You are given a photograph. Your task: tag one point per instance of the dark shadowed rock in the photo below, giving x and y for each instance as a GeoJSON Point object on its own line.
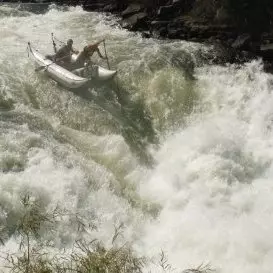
{"type": "Point", "coordinates": [166, 12]}
{"type": "Point", "coordinates": [266, 51]}
{"type": "Point", "coordinates": [146, 34]}
{"type": "Point", "coordinates": [131, 10]}
{"type": "Point", "coordinates": [239, 26]}
{"type": "Point", "coordinates": [137, 21]}
{"type": "Point", "coordinates": [94, 6]}
{"type": "Point", "coordinates": [110, 8]}
{"type": "Point", "coordinates": [241, 42]}
{"type": "Point", "coordinates": [158, 24]}
{"type": "Point", "coordinates": [173, 33]}
{"type": "Point", "coordinates": [159, 28]}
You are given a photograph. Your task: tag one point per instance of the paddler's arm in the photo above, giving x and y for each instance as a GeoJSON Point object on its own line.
{"type": "Point", "coordinates": [96, 44]}
{"type": "Point", "coordinates": [73, 50]}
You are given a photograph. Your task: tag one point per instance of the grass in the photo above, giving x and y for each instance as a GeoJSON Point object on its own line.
{"type": "Point", "coordinates": [36, 256]}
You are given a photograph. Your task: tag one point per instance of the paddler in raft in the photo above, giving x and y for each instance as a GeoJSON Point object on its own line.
{"type": "Point", "coordinates": [85, 55]}
{"type": "Point", "coordinates": [62, 56]}
{"type": "Point", "coordinates": [83, 66]}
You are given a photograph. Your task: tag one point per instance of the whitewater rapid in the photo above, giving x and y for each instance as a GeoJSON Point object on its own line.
{"type": "Point", "coordinates": [206, 197]}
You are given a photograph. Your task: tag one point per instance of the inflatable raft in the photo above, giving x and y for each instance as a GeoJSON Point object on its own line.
{"type": "Point", "coordinates": [68, 78]}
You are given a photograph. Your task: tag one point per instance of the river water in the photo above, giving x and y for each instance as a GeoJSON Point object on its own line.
{"type": "Point", "coordinates": [181, 158]}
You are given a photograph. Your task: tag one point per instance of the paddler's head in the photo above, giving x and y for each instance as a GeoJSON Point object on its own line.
{"type": "Point", "coordinates": [70, 43]}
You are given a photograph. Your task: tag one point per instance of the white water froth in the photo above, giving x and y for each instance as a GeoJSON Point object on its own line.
{"type": "Point", "coordinates": [212, 178]}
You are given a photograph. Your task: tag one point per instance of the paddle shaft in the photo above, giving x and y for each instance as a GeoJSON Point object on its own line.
{"type": "Point", "coordinates": [54, 44]}
{"type": "Point", "coordinates": [117, 91]}
{"type": "Point", "coordinates": [106, 54]}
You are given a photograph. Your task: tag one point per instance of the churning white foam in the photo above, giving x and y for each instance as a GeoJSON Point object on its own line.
{"type": "Point", "coordinates": [214, 177]}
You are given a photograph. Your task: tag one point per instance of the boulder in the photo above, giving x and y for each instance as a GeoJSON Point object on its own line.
{"type": "Point", "coordinates": [137, 21]}
{"type": "Point", "coordinates": [174, 30]}
{"type": "Point", "coordinates": [266, 51]}
{"type": "Point", "coordinates": [93, 7]}
{"type": "Point", "coordinates": [146, 34]}
{"type": "Point", "coordinates": [241, 42]}
{"type": "Point", "coordinates": [174, 33]}
{"type": "Point", "coordinates": [166, 12]}
{"type": "Point", "coordinates": [159, 28]}
{"type": "Point", "coordinates": [160, 32]}
{"type": "Point", "coordinates": [159, 23]}
{"type": "Point", "coordinates": [222, 15]}
{"type": "Point", "coordinates": [110, 8]}
{"type": "Point", "coordinates": [131, 10]}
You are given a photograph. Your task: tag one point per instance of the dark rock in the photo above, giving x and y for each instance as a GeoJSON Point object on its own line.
{"type": "Point", "coordinates": [136, 22]}
{"type": "Point", "coordinates": [159, 32]}
{"type": "Point", "coordinates": [103, 5]}
{"type": "Point", "coordinates": [267, 38]}
{"type": "Point", "coordinates": [222, 15]}
{"type": "Point", "coordinates": [146, 34]}
{"type": "Point", "coordinates": [239, 26]}
{"type": "Point", "coordinates": [254, 46]}
{"type": "Point", "coordinates": [163, 32]}
{"type": "Point", "coordinates": [131, 10]}
{"type": "Point", "coordinates": [267, 47]}
{"type": "Point", "coordinates": [266, 51]}
{"type": "Point", "coordinates": [174, 33]}
{"type": "Point", "coordinates": [166, 12]}
{"type": "Point", "coordinates": [268, 67]}
{"type": "Point", "coordinates": [159, 28]}
{"type": "Point", "coordinates": [158, 24]}
{"type": "Point", "coordinates": [110, 8]}
{"type": "Point", "coordinates": [182, 36]}
{"type": "Point", "coordinates": [229, 42]}
{"type": "Point", "coordinates": [94, 7]}
{"type": "Point", "coordinates": [241, 42]}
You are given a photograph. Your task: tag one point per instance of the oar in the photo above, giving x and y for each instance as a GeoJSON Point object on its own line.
{"type": "Point", "coordinates": [106, 54]}
{"type": "Point", "coordinates": [54, 44]}
{"type": "Point", "coordinates": [118, 92]}
{"type": "Point", "coordinates": [54, 37]}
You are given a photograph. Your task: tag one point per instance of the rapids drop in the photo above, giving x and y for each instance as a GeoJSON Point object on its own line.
{"type": "Point", "coordinates": [181, 156]}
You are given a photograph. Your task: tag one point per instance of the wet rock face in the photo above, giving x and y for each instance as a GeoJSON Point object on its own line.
{"type": "Point", "coordinates": [132, 9]}
{"type": "Point", "coordinates": [136, 21]}
{"type": "Point", "coordinates": [242, 26]}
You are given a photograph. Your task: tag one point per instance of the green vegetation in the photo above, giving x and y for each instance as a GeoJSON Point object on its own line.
{"type": "Point", "coordinates": [35, 256]}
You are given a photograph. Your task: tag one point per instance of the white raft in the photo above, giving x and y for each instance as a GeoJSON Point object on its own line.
{"type": "Point", "coordinates": [66, 77]}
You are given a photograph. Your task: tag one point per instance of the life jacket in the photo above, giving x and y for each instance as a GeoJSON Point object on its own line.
{"type": "Point", "coordinates": [91, 48]}
{"type": "Point", "coordinates": [63, 51]}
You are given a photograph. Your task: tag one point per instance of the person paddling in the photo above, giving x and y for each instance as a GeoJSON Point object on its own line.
{"type": "Point", "coordinates": [63, 55]}
{"type": "Point", "coordinates": [92, 48]}
{"type": "Point", "coordinates": [87, 53]}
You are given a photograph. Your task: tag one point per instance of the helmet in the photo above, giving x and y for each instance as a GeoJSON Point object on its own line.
{"type": "Point", "coordinates": [69, 41]}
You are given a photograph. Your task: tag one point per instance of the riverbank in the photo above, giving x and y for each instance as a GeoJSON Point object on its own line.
{"type": "Point", "coordinates": [241, 29]}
